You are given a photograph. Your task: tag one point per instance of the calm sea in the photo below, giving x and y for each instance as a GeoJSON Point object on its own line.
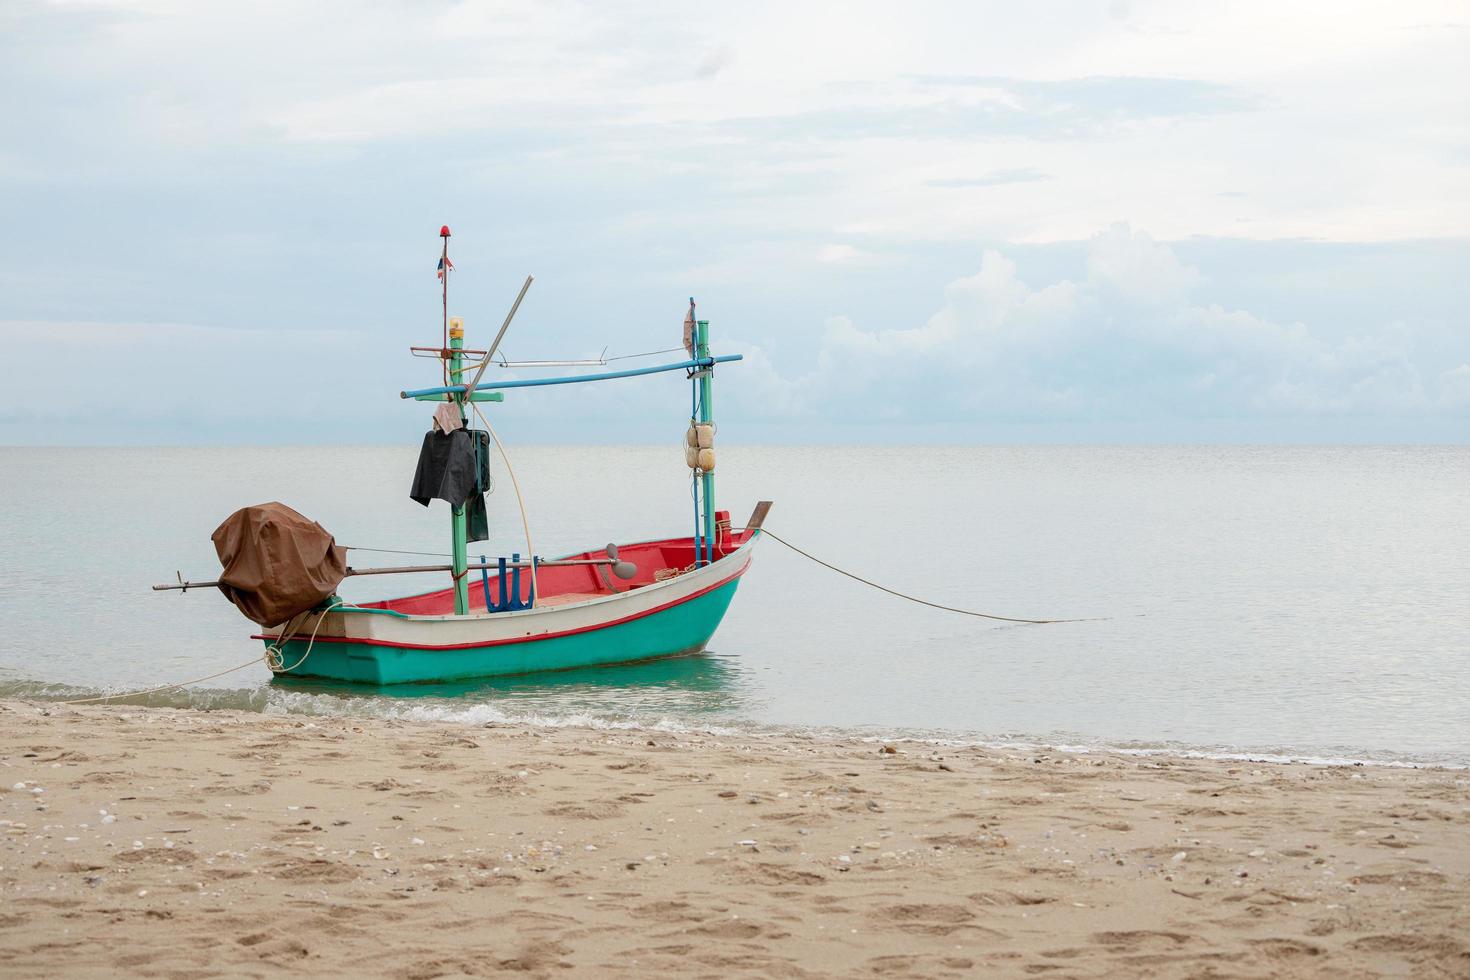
{"type": "Point", "coordinates": [1308, 602]}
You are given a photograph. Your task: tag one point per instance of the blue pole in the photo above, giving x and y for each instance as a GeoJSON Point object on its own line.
{"type": "Point", "coordinates": [703, 362]}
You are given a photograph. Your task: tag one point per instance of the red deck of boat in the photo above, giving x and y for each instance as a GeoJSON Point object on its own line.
{"type": "Point", "coordinates": [562, 585]}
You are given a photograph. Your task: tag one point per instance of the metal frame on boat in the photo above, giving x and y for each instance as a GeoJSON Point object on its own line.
{"type": "Point", "coordinates": [665, 597]}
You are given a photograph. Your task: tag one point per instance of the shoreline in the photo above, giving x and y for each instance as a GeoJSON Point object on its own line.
{"type": "Point", "coordinates": [414, 713]}
{"type": "Point", "coordinates": [254, 843]}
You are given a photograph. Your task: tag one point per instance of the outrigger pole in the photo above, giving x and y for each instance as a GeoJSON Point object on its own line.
{"type": "Point", "coordinates": [703, 362]}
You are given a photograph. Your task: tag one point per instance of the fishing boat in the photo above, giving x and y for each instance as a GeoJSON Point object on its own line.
{"type": "Point", "coordinates": [578, 619]}
{"type": "Point", "coordinates": [500, 615]}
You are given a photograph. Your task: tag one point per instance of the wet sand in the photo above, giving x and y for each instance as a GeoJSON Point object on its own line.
{"type": "Point", "coordinates": [155, 842]}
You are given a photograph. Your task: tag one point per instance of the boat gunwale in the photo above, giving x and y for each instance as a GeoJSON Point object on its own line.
{"type": "Point", "coordinates": [642, 589]}
{"type": "Point", "coordinates": [525, 638]}
{"type": "Point", "coordinates": [499, 617]}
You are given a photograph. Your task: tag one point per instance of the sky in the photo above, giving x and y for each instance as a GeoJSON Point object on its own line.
{"type": "Point", "coordinates": [919, 223]}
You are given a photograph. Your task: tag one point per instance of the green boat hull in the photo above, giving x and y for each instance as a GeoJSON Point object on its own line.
{"type": "Point", "coordinates": [681, 629]}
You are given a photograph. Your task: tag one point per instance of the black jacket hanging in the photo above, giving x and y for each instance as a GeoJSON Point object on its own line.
{"type": "Point", "coordinates": [455, 467]}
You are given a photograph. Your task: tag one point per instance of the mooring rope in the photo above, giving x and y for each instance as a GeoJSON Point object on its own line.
{"type": "Point", "coordinates": [275, 652]}
{"type": "Point", "coordinates": [904, 595]}
{"type": "Point", "coordinates": [272, 659]}
{"type": "Point", "coordinates": [167, 687]}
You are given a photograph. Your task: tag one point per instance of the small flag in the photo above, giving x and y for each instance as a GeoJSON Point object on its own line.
{"type": "Point", "coordinates": [444, 263]}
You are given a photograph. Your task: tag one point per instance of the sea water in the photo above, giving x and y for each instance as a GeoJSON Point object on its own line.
{"type": "Point", "coordinates": [1283, 601]}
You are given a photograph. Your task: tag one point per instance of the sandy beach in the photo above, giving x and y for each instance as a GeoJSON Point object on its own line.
{"type": "Point", "coordinates": [155, 842]}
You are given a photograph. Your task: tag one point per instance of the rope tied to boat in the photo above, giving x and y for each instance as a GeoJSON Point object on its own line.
{"type": "Point", "coordinates": [272, 657]}
{"type": "Point", "coordinates": [167, 687]}
{"type": "Point", "coordinates": [275, 652]}
{"type": "Point", "coordinates": [923, 602]}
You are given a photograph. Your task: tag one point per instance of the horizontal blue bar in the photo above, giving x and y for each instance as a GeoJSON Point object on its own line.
{"type": "Point", "coordinates": [575, 378]}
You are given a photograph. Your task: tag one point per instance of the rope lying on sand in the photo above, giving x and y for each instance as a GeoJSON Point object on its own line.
{"type": "Point", "coordinates": [904, 595]}
{"type": "Point", "coordinates": [166, 687]}
{"type": "Point", "coordinates": [272, 659]}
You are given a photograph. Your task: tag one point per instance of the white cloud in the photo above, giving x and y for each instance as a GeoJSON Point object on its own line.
{"type": "Point", "coordinates": [809, 169]}
{"type": "Point", "coordinates": [160, 381]}
{"type": "Point", "coordinates": [1344, 125]}
{"type": "Point", "coordinates": [1124, 342]}
{"type": "Point", "coordinates": [1138, 267]}
{"type": "Point", "coordinates": [835, 252]}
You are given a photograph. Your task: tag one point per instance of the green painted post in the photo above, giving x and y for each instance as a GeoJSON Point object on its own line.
{"type": "Point", "coordinates": [706, 414]}
{"type": "Point", "coordinates": [458, 531]}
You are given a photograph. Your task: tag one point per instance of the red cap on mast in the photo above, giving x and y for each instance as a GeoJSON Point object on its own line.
{"type": "Point", "coordinates": [444, 232]}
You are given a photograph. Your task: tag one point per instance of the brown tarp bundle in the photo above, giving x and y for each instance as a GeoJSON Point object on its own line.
{"type": "Point", "coordinates": [276, 562]}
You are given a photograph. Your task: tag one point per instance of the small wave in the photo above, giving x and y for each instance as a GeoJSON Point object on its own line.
{"type": "Point", "coordinates": [213, 699]}
{"type": "Point", "coordinates": [478, 713]}
{"type": "Point", "coordinates": [1279, 756]}
{"type": "Point", "coordinates": [44, 690]}
{"type": "Point", "coordinates": [275, 700]}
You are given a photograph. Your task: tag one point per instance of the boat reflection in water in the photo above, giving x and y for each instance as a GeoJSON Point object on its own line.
{"type": "Point", "coordinates": [690, 689]}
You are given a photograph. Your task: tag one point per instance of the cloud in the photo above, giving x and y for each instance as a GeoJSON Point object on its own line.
{"type": "Point", "coordinates": [1138, 268]}
{"type": "Point", "coordinates": [836, 252]}
{"type": "Point", "coordinates": [714, 61]}
{"type": "Point", "coordinates": [1014, 175]}
{"type": "Point", "coordinates": [1334, 127]}
{"type": "Point", "coordinates": [171, 382]}
{"type": "Point", "coordinates": [1121, 332]}
{"type": "Point", "coordinates": [784, 163]}
{"type": "Point", "coordinates": [951, 107]}
{"type": "Point", "coordinates": [1104, 96]}
{"type": "Point", "coordinates": [1125, 341]}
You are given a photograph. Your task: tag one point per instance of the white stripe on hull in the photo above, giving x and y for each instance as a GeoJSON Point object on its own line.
{"type": "Point", "coordinates": [486, 628]}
